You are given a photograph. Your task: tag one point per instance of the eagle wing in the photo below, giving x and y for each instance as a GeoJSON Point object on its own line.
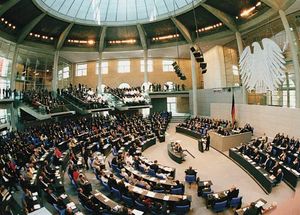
{"type": "Point", "coordinates": [246, 68]}
{"type": "Point", "coordinates": [275, 63]}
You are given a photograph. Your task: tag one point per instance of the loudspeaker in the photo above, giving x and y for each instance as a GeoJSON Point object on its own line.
{"type": "Point", "coordinates": [193, 49]}
{"type": "Point", "coordinates": [204, 71]}
{"type": "Point", "coordinates": [203, 65]}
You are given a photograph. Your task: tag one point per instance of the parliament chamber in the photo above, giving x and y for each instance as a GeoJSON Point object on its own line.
{"type": "Point", "coordinates": [149, 107]}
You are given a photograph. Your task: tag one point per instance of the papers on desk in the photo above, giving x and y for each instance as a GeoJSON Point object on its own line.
{"type": "Point", "coordinates": [37, 206]}
{"type": "Point", "coordinates": [166, 198]}
{"type": "Point", "coordinates": [71, 205]}
{"type": "Point", "coordinates": [280, 162]}
{"type": "Point", "coordinates": [259, 204]}
{"type": "Point", "coordinates": [265, 174]}
{"type": "Point", "coordinates": [35, 194]}
{"type": "Point", "coordinates": [205, 183]}
{"type": "Point", "coordinates": [34, 198]}
{"type": "Point", "coordinates": [137, 212]}
{"type": "Point", "coordinates": [294, 171]}
{"type": "Point", "coordinates": [106, 200]}
{"type": "Point", "coordinates": [272, 177]}
{"type": "Point", "coordinates": [215, 195]}
{"type": "Point", "coordinates": [63, 196]}
{"type": "Point", "coordinates": [151, 194]}
{"type": "Point", "coordinates": [137, 190]}
{"type": "Point", "coordinates": [258, 167]}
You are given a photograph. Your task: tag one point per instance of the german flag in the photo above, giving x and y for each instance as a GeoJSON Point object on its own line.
{"type": "Point", "coordinates": [233, 109]}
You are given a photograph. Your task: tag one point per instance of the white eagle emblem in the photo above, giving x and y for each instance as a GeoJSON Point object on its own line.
{"type": "Point", "coordinates": [262, 70]}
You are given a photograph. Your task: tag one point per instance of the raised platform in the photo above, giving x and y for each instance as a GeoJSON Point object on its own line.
{"type": "Point", "coordinates": [6, 100]}
{"type": "Point", "coordinates": [175, 156]}
{"type": "Point", "coordinates": [133, 107]}
{"type": "Point", "coordinates": [30, 111]}
{"type": "Point", "coordinates": [165, 94]}
{"type": "Point", "coordinates": [224, 143]}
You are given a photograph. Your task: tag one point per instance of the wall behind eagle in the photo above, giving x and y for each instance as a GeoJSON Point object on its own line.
{"type": "Point", "coordinates": [135, 77]}
{"type": "Point", "coordinates": [264, 119]}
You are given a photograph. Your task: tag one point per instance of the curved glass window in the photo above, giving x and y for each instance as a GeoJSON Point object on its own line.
{"type": "Point", "coordinates": [114, 12]}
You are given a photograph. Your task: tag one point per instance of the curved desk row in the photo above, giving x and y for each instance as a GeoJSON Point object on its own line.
{"type": "Point", "coordinates": [257, 172]}
{"type": "Point", "coordinates": [165, 169]}
{"type": "Point", "coordinates": [175, 156]}
{"type": "Point", "coordinates": [188, 132]}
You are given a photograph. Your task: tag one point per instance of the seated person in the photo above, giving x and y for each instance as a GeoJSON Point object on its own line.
{"type": "Point", "coordinates": [85, 200]}
{"type": "Point", "coordinates": [295, 164]}
{"type": "Point", "coordinates": [190, 171]}
{"type": "Point", "coordinates": [154, 166]}
{"type": "Point", "coordinates": [278, 176]}
{"type": "Point", "coordinates": [84, 184]}
{"type": "Point", "coordinates": [253, 210]}
{"type": "Point", "coordinates": [233, 193]}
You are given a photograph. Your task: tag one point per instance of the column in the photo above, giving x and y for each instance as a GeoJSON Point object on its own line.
{"type": "Point", "coordinates": [240, 50]}
{"type": "Point", "coordinates": [194, 85]}
{"type": "Point", "coordinates": [293, 46]}
{"type": "Point", "coordinates": [99, 73]}
{"type": "Point", "coordinates": [14, 68]}
{"type": "Point", "coordinates": [146, 69]}
{"type": "Point", "coordinates": [55, 72]}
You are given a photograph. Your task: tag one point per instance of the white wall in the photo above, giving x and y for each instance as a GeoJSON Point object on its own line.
{"type": "Point", "coordinates": [207, 96]}
{"type": "Point", "coordinates": [215, 75]}
{"type": "Point", "coordinates": [264, 119]}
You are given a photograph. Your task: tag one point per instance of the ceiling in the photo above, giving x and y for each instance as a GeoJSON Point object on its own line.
{"type": "Point", "coordinates": [101, 25]}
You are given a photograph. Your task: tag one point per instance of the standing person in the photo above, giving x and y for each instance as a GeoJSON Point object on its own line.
{"type": "Point", "coordinates": [207, 142]}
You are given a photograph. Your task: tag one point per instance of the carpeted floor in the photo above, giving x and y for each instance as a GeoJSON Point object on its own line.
{"type": "Point", "coordinates": [211, 165]}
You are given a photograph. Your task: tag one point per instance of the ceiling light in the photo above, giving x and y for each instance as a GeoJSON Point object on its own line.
{"type": "Point", "coordinates": [91, 42]}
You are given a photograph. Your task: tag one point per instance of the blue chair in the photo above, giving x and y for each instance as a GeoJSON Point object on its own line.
{"type": "Point", "coordinates": [177, 191]}
{"type": "Point", "coordinates": [116, 193]}
{"type": "Point", "coordinates": [236, 202]}
{"type": "Point", "coordinates": [114, 167]}
{"type": "Point", "coordinates": [158, 191]}
{"type": "Point", "coordinates": [288, 160]}
{"type": "Point", "coordinates": [87, 208]}
{"type": "Point", "coordinates": [106, 187]}
{"type": "Point", "coordinates": [205, 193]}
{"type": "Point", "coordinates": [274, 152]}
{"type": "Point", "coordinates": [151, 172]}
{"type": "Point", "coordinates": [219, 206]}
{"type": "Point", "coordinates": [184, 209]}
{"type": "Point", "coordinates": [141, 169]}
{"type": "Point", "coordinates": [140, 206]}
{"type": "Point", "coordinates": [190, 179]}
{"type": "Point", "coordinates": [128, 201]}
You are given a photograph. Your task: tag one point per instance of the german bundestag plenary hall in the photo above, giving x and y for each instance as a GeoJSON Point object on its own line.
{"type": "Point", "coordinates": [154, 107]}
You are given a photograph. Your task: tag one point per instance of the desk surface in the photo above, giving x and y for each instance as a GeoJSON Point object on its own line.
{"type": "Point", "coordinates": [258, 203]}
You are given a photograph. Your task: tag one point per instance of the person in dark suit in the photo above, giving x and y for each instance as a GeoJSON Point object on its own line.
{"type": "Point", "coordinates": [268, 163]}
{"type": "Point", "coordinates": [233, 193]}
{"type": "Point", "coordinates": [154, 166]}
{"type": "Point", "coordinates": [85, 200]}
{"type": "Point", "coordinates": [278, 176]}
{"type": "Point", "coordinates": [190, 171]}
{"type": "Point", "coordinates": [207, 142]}
{"type": "Point", "coordinates": [252, 210]}
{"type": "Point", "coordinates": [112, 182]}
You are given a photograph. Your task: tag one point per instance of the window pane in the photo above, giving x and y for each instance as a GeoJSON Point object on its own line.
{"type": "Point", "coordinates": [104, 67]}
{"type": "Point", "coordinates": [124, 66]}
{"type": "Point", "coordinates": [167, 65]}
{"type": "Point", "coordinates": [81, 70]}
{"type": "Point", "coordinates": [149, 64]}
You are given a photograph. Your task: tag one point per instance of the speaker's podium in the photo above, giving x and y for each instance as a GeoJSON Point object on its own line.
{"type": "Point", "coordinates": [224, 143]}
{"type": "Point", "coordinates": [201, 143]}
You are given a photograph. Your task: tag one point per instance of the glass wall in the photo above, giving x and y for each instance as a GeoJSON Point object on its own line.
{"type": "Point", "coordinates": [7, 50]}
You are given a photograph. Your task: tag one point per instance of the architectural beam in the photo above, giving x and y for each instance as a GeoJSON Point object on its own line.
{"type": "Point", "coordinates": [102, 38]}
{"type": "Point", "coordinates": [183, 30]}
{"type": "Point", "coordinates": [7, 5]}
{"type": "Point", "coordinates": [142, 36]}
{"type": "Point", "coordinates": [63, 36]}
{"type": "Point", "coordinates": [279, 4]}
{"type": "Point", "coordinates": [26, 30]}
{"type": "Point", "coordinates": [225, 18]}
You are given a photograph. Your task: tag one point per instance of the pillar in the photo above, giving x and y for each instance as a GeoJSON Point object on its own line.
{"type": "Point", "coordinates": [146, 69]}
{"type": "Point", "coordinates": [55, 72]}
{"type": "Point", "coordinates": [194, 85]}
{"type": "Point", "coordinates": [99, 74]}
{"type": "Point", "coordinates": [14, 68]}
{"type": "Point", "coordinates": [294, 51]}
{"type": "Point", "coordinates": [240, 45]}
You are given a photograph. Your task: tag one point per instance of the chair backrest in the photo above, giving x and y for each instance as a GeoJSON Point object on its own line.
{"type": "Point", "coordinates": [190, 178]}
{"type": "Point", "coordinates": [158, 191]}
{"type": "Point", "coordinates": [116, 193]}
{"type": "Point", "coordinates": [178, 191]}
{"type": "Point", "coordinates": [140, 206]}
{"type": "Point", "coordinates": [236, 202]}
{"type": "Point", "coordinates": [151, 172]}
{"type": "Point", "coordinates": [182, 209]}
{"type": "Point", "coordinates": [219, 206]}
{"type": "Point", "coordinates": [127, 200]}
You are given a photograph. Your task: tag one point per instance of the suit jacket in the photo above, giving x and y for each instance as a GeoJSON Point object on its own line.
{"type": "Point", "coordinates": [233, 194]}
{"type": "Point", "coordinates": [190, 172]}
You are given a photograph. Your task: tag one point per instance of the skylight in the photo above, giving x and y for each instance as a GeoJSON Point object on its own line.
{"type": "Point", "coordinates": [114, 12]}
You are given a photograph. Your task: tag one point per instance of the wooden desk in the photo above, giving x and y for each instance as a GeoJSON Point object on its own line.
{"type": "Point", "coordinates": [164, 182]}
{"type": "Point", "coordinates": [257, 172]}
{"type": "Point", "coordinates": [224, 143]}
{"type": "Point", "coordinates": [259, 203]}
{"type": "Point", "coordinates": [175, 156]}
{"type": "Point", "coordinates": [188, 132]}
{"type": "Point", "coordinates": [164, 169]}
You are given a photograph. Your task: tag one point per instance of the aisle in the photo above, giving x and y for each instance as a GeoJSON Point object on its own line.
{"type": "Point", "coordinates": [214, 166]}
